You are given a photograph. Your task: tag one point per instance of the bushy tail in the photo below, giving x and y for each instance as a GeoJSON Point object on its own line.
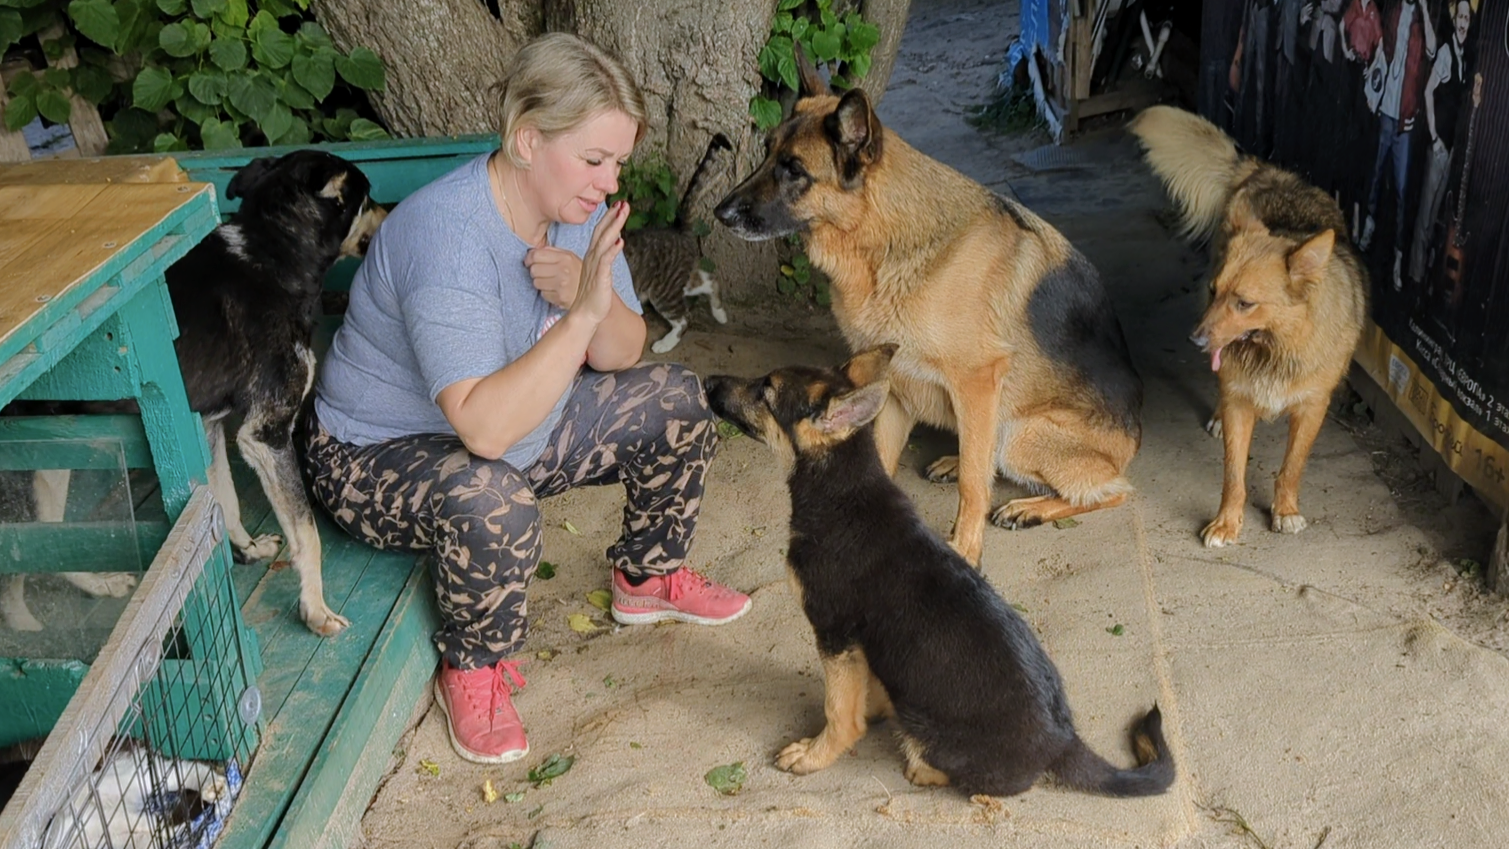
{"type": "Point", "coordinates": [1199, 164]}
{"type": "Point", "coordinates": [719, 150]}
{"type": "Point", "coordinates": [1082, 769]}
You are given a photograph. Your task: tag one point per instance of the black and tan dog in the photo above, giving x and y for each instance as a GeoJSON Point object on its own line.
{"type": "Point", "coordinates": [1007, 336]}
{"type": "Point", "coordinates": [246, 299]}
{"type": "Point", "coordinates": [905, 628]}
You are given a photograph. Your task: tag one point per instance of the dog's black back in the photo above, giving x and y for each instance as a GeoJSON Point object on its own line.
{"type": "Point", "coordinates": [247, 296]}
{"type": "Point", "coordinates": [966, 677]}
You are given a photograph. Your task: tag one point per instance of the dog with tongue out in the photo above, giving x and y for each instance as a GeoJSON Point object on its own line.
{"type": "Point", "coordinates": [1287, 298]}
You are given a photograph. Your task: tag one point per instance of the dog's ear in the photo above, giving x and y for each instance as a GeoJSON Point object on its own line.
{"type": "Point", "coordinates": [1241, 215]}
{"type": "Point", "coordinates": [1308, 261]}
{"type": "Point", "coordinates": [855, 132]}
{"type": "Point", "coordinates": [249, 176]}
{"type": "Point", "coordinates": [853, 409]}
{"type": "Point", "coordinates": [335, 186]}
{"type": "Point", "coordinates": [810, 83]}
{"type": "Point", "coordinates": [866, 367]}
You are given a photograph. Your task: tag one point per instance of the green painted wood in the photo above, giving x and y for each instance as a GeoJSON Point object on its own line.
{"type": "Point", "coordinates": [73, 442]}
{"type": "Point", "coordinates": [395, 167]}
{"type": "Point", "coordinates": [85, 307]}
{"type": "Point", "coordinates": [351, 761]}
{"type": "Point", "coordinates": [33, 694]}
{"type": "Point", "coordinates": [98, 546]}
{"type": "Point", "coordinates": [305, 718]}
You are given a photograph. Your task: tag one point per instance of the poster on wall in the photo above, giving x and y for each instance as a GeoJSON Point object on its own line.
{"type": "Point", "coordinates": [1399, 109]}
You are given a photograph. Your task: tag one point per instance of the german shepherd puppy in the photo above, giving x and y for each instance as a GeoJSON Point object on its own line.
{"type": "Point", "coordinates": [1288, 297]}
{"type": "Point", "coordinates": [1007, 336]}
{"type": "Point", "coordinates": [246, 299]}
{"type": "Point", "coordinates": [905, 627]}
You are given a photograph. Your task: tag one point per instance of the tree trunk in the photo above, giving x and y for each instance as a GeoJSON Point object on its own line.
{"type": "Point", "coordinates": [890, 17]}
{"type": "Point", "coordinates": [442, 57]}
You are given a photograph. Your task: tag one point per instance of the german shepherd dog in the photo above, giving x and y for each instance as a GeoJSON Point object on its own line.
{"type": "Point", "coordinates": [1288, 297]}
{"type": "Point", "coordinates": [1007, 336]}
{"type": "Point", "coordinates": [905, 627]}
{"type": "Point", "coordinates": [247, 299]}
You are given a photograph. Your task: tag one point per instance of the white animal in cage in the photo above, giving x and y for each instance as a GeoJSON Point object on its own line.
{"type": "Point", "coordinates": [138, 799]}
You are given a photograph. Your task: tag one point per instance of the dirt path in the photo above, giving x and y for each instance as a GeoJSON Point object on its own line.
{"type": "Point", "coordinates": [1329, 688]}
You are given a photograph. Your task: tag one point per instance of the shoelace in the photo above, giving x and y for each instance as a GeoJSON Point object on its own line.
{"type": "Point", "coordinates": [678, 579]}
{"type": "Point", "coordinates": [497, 684]}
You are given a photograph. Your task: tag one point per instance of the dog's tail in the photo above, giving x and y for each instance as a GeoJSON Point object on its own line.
{"type": "Point", "coordinates": [719, 149]}
{"type": "Point", "coordinates": [1082, 769]}
{"type": "Point", "coordinates": [1199, 165]}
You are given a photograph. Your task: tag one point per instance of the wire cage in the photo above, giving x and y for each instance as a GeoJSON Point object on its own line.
{"type": "Point", "coordinates": [151, 749]}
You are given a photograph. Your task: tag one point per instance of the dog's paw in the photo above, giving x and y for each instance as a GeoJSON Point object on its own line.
{"type": "Point", "coordinates": [799, 758]}
{"type": "Point", "coordinates": [215, 789]}
{"type": "Point", "coordinates": [1288, 523]}
{"type": "Point", "coordinates": [1213, 426]}
{"type": "Point", "coordinates": [720, 315]}
{"type": "Point", "coordinates": [944, 469]}
{"type": "Point", "coordinates": [1017, 514]}
{"type": "Point", "coordinates": [103, 584]}
{"type": "Point", "coordinates": [923, 775]}
{"type": "Point", "coordinates": [261, 548]}
{"type": "Point", "coordinates": [1221, 532]}
{"type": "Point", "coordinates": [322, 620]}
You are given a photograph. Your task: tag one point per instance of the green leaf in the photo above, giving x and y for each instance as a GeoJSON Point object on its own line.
{"type": "Point", "coordinates": [553, 767]}
{"type": "Point", "coordinates": [766, 112]}
{"type": "Point", "coordinates": [175, 40]}
{"type": "Point", "coordinates": [167, 142]}
{"type": "Point", "coordinates": [313, 36]}
{"type": "Point", "coordinates": [54, 48]}
{"type": "Point", "coordinates": [339, 126]}
{"type": "Point", "coordinates": [293, 94]}
{"type": "Point", "coordinates": [140, 26]}
{"type": "Point", "coordinates": [1116, 630]}
{"type": "Point", "coordinates": [152, 89]}
{"type": "Point", "coordinates": [728, 430]}
{"type": "Point", "coordinates": [600, 599]}
{"type": "Point", "coordinates": [192, 110]}
{"type": "Point", "coordinates": [55, 78]}
{"type": "Point", "coordinates": [24, 84]}
{"type": "Point", "coordinates": [173, 7]}
{"type": "Point", "coordinates": [298, 133]}
{"type": "Point", "coordinates": [135, 127]}
{"type": "Point", "coordinates": [863, 36]}
{"type": "Point", "coordinates": [799, 28]}
{"type": "Point", "coordinates": [272, 48]}
{"type": "Point", "coordinates": [228, 53]}
{"type": "Point", "coordinates": [265, 20]}
{"type": "Point", "coordinates": [1065, 524]}
{"type": "Point", "coordinates": [362, 69]}
{"type": "Point", "coordinates": [728, 780]}
{"type": "Point", "coordinates": [206, 9]}
{"type": "Point", "coordinates": [11, 29]}
{"type": "Point", "coordinates": [315, 72]}
{"type": "Point", "coordinates": [545, 571]}
{"type": "Point", "coordinates": [364, 130]}
{"type": "Point", "coordinates": [782, 22]}
{"type": "Point", "coordinates": [235, 14]}
{"type": "Point", "coordinates": [822, 294]}
{"type": "Point", "coordinates": [208, 87]}
{"type": "Point", "coordinates": [276, 122]}
{"type": "Point", "coordinates": [430, 767]}
{"type": "Point", "coordinates": [219, 135]}
{"type": "Point", "coordinates": [253, 94]}
{"type": "Point", "coordinates": [20, 112]}
{"type": "Point", "coordinates": [858, 66]}
{"type": "Point", "coordinates": [707, 265]}
{"type": "Point", "coordinates": [278, 8]}
{"type": "Point", "coordinates": [97, 20]}
{"type": "Point", "coordinates": [92, 83]}
{"type": "Point", "coordinates": [825, 45]}
{"type": "Point", "coordinates": [513, 797]}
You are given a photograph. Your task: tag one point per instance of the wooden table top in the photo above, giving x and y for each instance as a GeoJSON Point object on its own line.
{"type": "Point", "coordinates": [62, 221]}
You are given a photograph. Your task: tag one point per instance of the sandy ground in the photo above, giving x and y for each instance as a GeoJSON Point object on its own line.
{"type": "Point", "coordinates": [1344, 687]}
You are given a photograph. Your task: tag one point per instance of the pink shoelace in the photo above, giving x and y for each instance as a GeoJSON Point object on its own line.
{"type": "Point", "coordinates": [679, 579]}
{"type": "Point", "coordinates": [497, 686]}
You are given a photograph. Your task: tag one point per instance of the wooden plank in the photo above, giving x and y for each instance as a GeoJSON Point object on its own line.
{"type": "Point", "coordinates": [73, 442]}
{"type": "Point", "coordinates": [294, 734]}
{"type": "Point", "coordinates": [83, 120]}
{"type": "Point", "coordinates": [395, 678]}
{"type": "Point", "coordinates": [33, 694]}
{"type": "Point", "coordinates": [79, 546]}
{"type": "Point", "coordinates": [107, 169]}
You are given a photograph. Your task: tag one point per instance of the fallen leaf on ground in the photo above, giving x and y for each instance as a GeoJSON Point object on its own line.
{"type": "Point", "coordinates": [729, 430]}
{"type": "Point", "coordinates": [430, 767]}
{"type": "Point", "coordinates": [513, 797]}
{"type": "Point", "coordinates": [546, 654]}
{"type": "Point", "coordinates": [571, 529]}
{"type": "Point", "coordinates": [489, 795]}
{"type": "Point", "coordinates": [1064, 524]}
{"type": "Point", "coordinates": [728, 780]}
{"type": "Point", "coordinates": [1116, 630]}
{"type": "Point", "coordinates": [545, 571]}
{"type": "Point", "coordinates": [600, 599]}
{"type": "Point", "coordinates": [581, 623]}
{"type": "Point", "coordinates": [554, 767]}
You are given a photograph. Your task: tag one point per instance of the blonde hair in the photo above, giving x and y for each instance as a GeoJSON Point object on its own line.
{"type": "Point", "coordinates": [556, 83]}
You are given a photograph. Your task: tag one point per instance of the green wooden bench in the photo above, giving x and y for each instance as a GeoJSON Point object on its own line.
{"type": "Point", "coordinates": [333, 709]}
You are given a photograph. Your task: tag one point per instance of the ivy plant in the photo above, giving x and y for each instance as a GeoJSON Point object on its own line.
{"type": "Point", "coordinates": [179, 74]}
{"type": "Point", "coordinates": [843, 43]}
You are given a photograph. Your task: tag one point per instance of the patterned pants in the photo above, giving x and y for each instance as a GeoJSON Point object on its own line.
{"type": "Point", "coordinates": [648, 427]}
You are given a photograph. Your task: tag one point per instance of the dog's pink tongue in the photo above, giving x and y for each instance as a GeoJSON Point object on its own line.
{"type": "Point", "coordinates": [1215, 360]}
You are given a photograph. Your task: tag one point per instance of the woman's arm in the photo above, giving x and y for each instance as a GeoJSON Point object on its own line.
{"type": "Point", "coordinates": [619, 340]}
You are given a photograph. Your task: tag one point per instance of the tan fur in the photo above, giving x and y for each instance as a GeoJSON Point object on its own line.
{"type": "Point", "coordinates": [1287, 303]}
{"type": "Point", "coordinates": [922, 256]}
{"type": "Point", "coordinates": [1195, 160]}
{"type": "Point", "coordinates": [845, 706]}
{"type": "Point", "coordinates": [918, 771]}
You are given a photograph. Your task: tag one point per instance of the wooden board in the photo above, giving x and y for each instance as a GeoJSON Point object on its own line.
{"type": "Point", "coordinates": [110, 169]}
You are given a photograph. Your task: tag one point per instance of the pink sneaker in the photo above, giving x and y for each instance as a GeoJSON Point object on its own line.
{"type": "Point", "coordinates": [479, 712]}
{"type": "Point", "coordinates": [683, 595]}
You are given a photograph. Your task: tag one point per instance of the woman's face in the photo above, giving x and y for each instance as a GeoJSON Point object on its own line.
{"type": "Point", "coordinates": [571, 174]}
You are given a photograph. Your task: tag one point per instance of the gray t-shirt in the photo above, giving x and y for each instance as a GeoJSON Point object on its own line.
{"type": "Point", "coordinates": [442, 296]}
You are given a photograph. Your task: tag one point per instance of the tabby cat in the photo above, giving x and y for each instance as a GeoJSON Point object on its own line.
{"type": "Point", "coordinates": [664, 261]}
